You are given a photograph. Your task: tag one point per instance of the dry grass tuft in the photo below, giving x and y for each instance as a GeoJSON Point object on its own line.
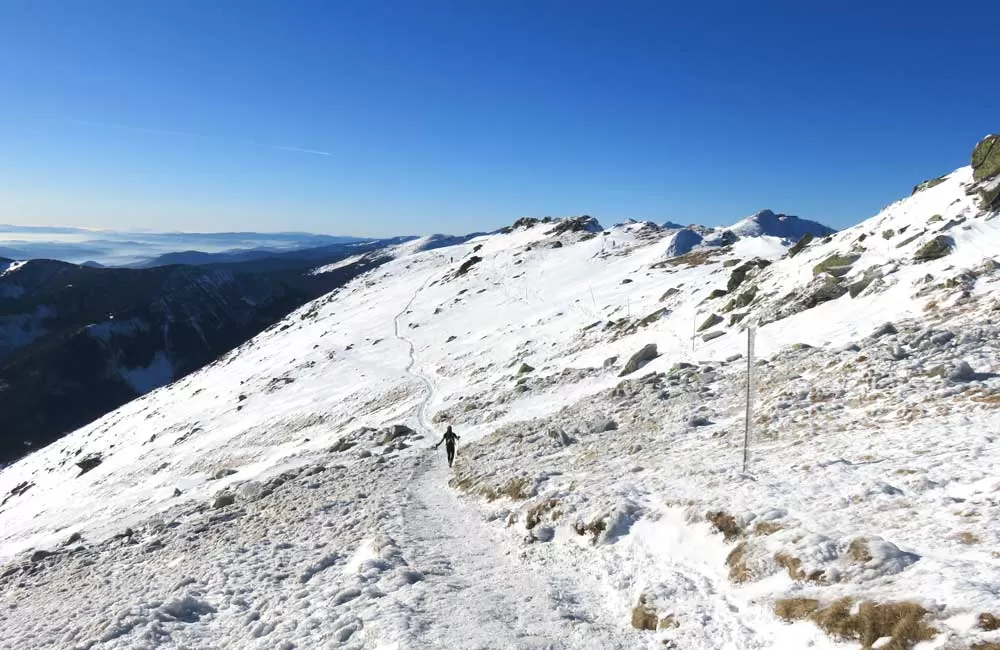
{"type": "Point", "coordinates": [794, 567]}
{"type": "Point", "coordinates": [767, 528]}
{"type": "Point", "coordinates": [985, 646]}
{"type": "Point", "coordinates": [725, 524]}
{"type": "Point", "coordinates": [901, 622]}
{"type": "Point", "coordinates": [989, 400]}
{"type": "Point", "coordinates": [534, 515]}
{"type": "Point", "coordinates": [989, 622]}
{"type": "Point", "coordinates": [736, 561]}
{"type": "Point", "coordinates": [795, 609]}
{"type": "Point", "coordinates": [968, 538]}
{"type": "Point", "coordinates": [594, 529]}
{"type": "Point", "coordinates": [859, 551]}
{"type": "Point", "coordinates": [643, 616]}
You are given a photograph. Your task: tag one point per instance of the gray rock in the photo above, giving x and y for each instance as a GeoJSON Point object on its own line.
{"type": "Point", "coordinates": [543, 533]}
{"type": "Point", "coordinates": [885, 330]}
{"type": "Point", "coordinates": [639, 359]}
{"type": "Point", "coordinates": [610, 361]}
{"type": "Point", "coordinates": [602, 425]}
{"type": "Point", "coordinates": [89, 462]}
{"type": "Point", "coordinates": [223, 473]}
{"type": "Point", "coordinates": [962, 372]}
{"type": "Point", "coordinates": [898, 353]}
{"type": "Point", "coordinates": [941, 338]}
{"type": "Point", "coordinates": [40, 555]}
{"type": "Point", "coordinates": [699, 421]}
{"type": "Point", "coordinates": [734, 357]}
{"type": "Point", "coordinates": [524, 368]}
{"type": "Point", "coordinates": [224, 499]}
{"type": "Point", "coordinates": [710, 322]}
{"type": "Point", "coordinates": [712, 335]}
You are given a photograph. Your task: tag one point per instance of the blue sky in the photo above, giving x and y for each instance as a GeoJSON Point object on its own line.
{"type": "Point", "coordinates": [456, 116]}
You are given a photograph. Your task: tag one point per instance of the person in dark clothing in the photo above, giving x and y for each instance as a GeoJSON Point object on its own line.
{"type": "Point", "coordinates": [449, 444]}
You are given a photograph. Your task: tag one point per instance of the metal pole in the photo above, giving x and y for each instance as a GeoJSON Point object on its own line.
{"type": "Point", "coordinates": [749, 417]}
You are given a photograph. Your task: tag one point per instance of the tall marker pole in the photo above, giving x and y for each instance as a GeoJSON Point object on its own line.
{"type": "Point", "coordinates": [749, 418]}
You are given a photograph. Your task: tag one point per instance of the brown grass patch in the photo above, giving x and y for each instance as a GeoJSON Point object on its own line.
{"type": "Point", "coordinates": [643, 616]}
{"type": "Point", "coordinates": [988, 622]}
{"type": "Point", "coordinates": [985, 646]}
{"type": "Point", "coordinates": [594, 529]}
{"type": "Point", "coordinates": [795, 609]}
{"type": "Point", "coordinates": [736, 561]}
{"type": "Point", "coordinates": [990, 400]}
{"type": "Point", "coordinates": [725, 524]}
{"type": "Point", "coordinates": [968, 538]}
{"type": "Point", "coordinates": [859, 551]}
{"type": "Point", "coordinates": [794, 567]}
{"type": "Point", "coordinates": [767, 528]}
{"type": "Point", "coordinates": [901, 622]}
{"type": "Point", "coordinates": [534, 516]}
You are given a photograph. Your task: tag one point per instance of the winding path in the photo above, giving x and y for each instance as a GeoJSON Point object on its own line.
{"type": "Point", "coordinates": [476, 593]}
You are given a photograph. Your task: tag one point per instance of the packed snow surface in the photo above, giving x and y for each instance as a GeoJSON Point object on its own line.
{"type": "Point", "coordinates": [287, 496]}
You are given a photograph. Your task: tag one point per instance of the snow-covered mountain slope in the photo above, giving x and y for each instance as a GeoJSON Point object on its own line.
{"type": "Point", "coordinates": [286, 496]}
{"type": "Point", "coordinates": [783, 228]}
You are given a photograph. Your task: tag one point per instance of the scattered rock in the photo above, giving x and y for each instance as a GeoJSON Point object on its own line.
{"type": "Point", "coordinates": [672, 291]}
{"type": "Point", "coordinates": [451, 338]}
{"type": "Point", "coordinates": [610, 361]}
{"type": "Point", "coordinates": [934, 249]}
{"type": "Point", "coordinates": [627, 281]}
{"type": "Point", "coordinates": [223, 473]}
{"type": "Point", "coordinates": [603, 425]}
{"type": "Point", "coordinates": [224, 499]}
{"type": "Point", "coordinates": [640, 359]}
{"type": "Point", "coordinates": [699, 421]}
{"type": "Point", "coordinates": [89, 462]}
{"type": "Point", "coordinates": [557, 244]}
{"type": "Point", "coordinates": [986, 158]}
{"type": "Point", "coordinates": [800, 245]}
{"type": "Point", "coordinates": [468, 264]}
{"type": "Point", "coordinates": [40, 555]}
{"type": "Point", "coordinates": [177, 492]}
{"type": "Point", "coordinates": [712, 335]}
{"type": "Point", "coordinates": [837, 265]}
{"type": "Point", "coordinates": [524, 368]}
{"type": "Point", "coordinates": [711, 321]}
{"type": "Point", "coordinates": [962, 372]}
{"type": "Point", "coordinates": [888, 329]}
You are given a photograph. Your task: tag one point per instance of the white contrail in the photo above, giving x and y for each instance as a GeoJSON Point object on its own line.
{"type": "Point", "coordinates": [189, 134]}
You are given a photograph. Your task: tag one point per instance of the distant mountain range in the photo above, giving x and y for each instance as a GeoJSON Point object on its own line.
{"type": "Point", "coordinates": [78, 341]}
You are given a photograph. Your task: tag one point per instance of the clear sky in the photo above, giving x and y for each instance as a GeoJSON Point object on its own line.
{"type": "Point", "coordinates": [377, 118]}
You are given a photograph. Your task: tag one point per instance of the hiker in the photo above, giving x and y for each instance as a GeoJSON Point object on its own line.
{"type": "Point", "coordinates": [449, 444]}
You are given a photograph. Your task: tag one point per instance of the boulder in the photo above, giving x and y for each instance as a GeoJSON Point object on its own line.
{"type": "Point", "coordinates": [524, 368]}
{"type": "Point", "coordinates": [223, 499]}
{"type": "Point", "coordinates": [986, 158]}
{"type": "Point", "coordinates": [710, 322]}
{"type": "Point", "coordinates": [888, 329]}
{"type": "Point", "coordinates": [640, 359]}
{"type": "Point", "coordinates": [934, 249]}
{"type": "Point", "coordinates": [89, 462]}
{"type": "Point", "coordinates": [961, 372]}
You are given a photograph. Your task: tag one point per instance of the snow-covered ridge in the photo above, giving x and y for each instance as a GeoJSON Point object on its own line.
{"type": "Point", "coordinates": [275, 499]}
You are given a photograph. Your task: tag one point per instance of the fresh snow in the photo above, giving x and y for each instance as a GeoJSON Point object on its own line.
{"type": "Point", "coordinates": [304, 519]}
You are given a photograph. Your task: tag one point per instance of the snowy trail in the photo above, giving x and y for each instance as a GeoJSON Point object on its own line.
{"type": "Point", "coordinates": [476, 593]}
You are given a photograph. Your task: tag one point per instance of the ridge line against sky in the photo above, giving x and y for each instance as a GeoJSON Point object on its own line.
{"type": "Point", "coordinates": [453, 117]}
